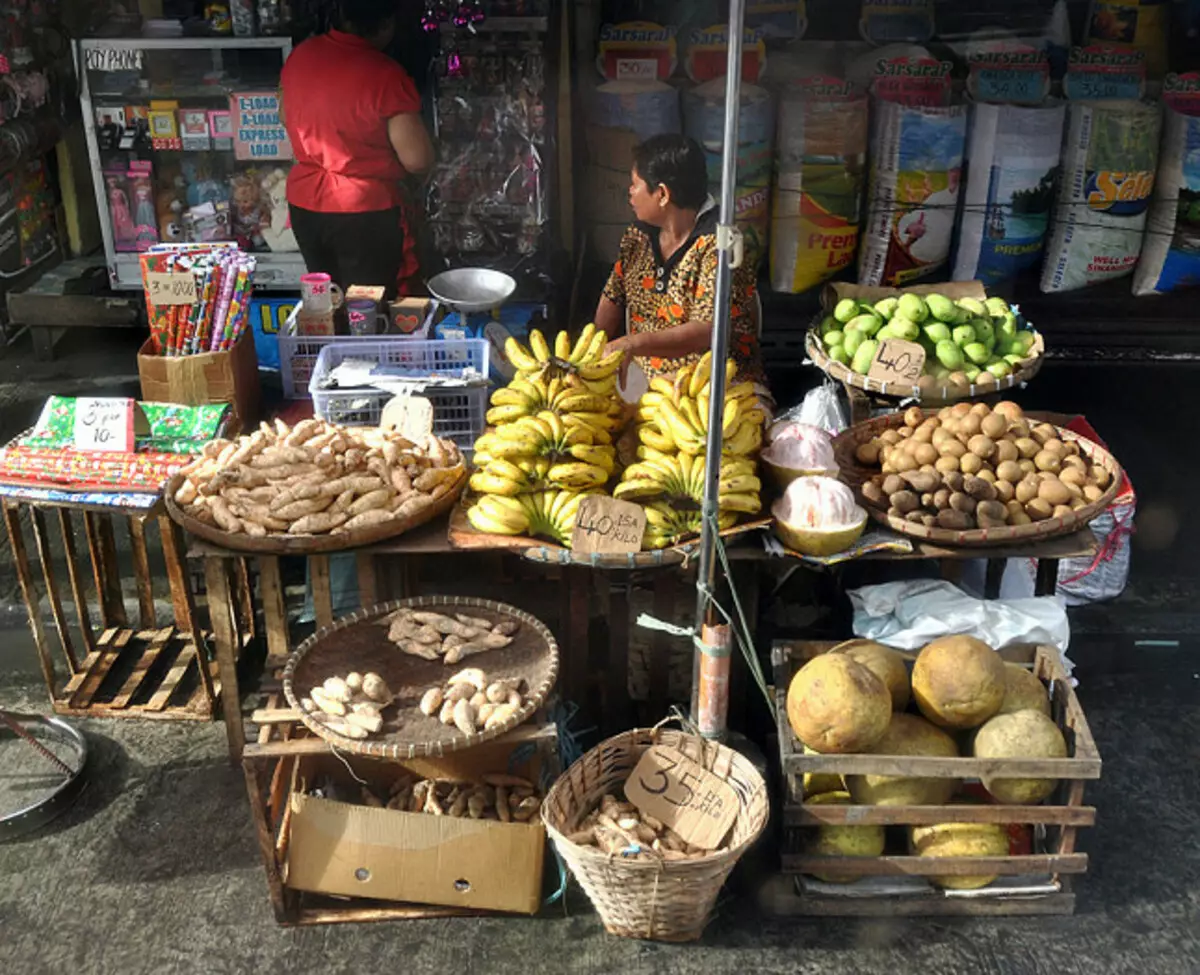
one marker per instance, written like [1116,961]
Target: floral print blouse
[658,294]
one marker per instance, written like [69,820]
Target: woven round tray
[854,474]
[308,544]
[665,900]
[941,394]
[359,642]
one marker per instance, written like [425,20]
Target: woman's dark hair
[366,17]
[676,162]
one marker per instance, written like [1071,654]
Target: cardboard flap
[834,292]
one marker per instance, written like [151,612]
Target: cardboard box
[313,323]
[373,292]
[410,316]
[210,377]
[355,850]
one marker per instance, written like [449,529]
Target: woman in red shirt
[353,117]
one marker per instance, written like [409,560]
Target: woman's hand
[626,344]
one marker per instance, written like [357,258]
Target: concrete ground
[157,869]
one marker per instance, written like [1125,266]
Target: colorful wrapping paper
[174,428]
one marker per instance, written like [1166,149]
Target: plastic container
[458,412]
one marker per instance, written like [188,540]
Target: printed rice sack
[1109,157]
[1013,155]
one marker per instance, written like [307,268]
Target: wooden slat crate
[1052,826]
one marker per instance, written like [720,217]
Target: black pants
[352,248]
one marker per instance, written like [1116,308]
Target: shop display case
[186,144]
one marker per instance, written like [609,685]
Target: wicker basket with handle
[662,900]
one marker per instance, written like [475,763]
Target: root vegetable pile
[451,638]
[979,467]
[351,706]
[507,798]
[316,478]
[618,828]
[471,702]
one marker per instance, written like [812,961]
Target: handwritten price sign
[165,288]
[897,361]
[608,526]
[105,423]
[672,788]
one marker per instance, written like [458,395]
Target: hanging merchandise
[892,21]
[1171,249]
[782,21]
[917,140]
[819,171]
[1139,25]
[1110,154]
[1013,153]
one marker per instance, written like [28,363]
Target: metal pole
[710,672]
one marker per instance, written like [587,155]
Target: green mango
[886,307]
[913,308]
[963,335]
[904,328]
[862,358]
[867,324]
[832,338]
[887,332]
[941,308]
[937,331]
[846,309]
[838,353]
[977,352]
[852,338]
[1013,359]
[971,372]
[949,354]
[984,332]
[997,307]
[973,305]
[999,369]
[1026,340]
[1006,327]
[829,324]
[940,372]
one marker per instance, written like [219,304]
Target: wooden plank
[274,611]
[273,714]
[368,587]
[319,746]
[220,611]
[182,597]
[172,678]
[102,550]
[1073,814]
[244,598]
[574,627]
[361,912]
[42,540]
[955,768]
[915,866]
[82,696]
[78,592]
[660,645]
[932,905]
[322,591]
[155,646]
[141,571]
[616,703]
[33,602]
[256,791]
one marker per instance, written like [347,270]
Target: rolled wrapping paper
[1014,152]
[229,277]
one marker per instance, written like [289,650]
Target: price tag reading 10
[681,793]
[104,423]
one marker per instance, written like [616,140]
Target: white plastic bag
[821,407]
[907,615]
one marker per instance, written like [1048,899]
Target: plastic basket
[458,412]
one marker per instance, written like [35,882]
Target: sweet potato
[414,506]
[371,501]
[358,483]
[431,701]
[298,509]
[302,431]
[303,491]
[317,524]
[374,517]
[224,518]
[342,502]
[186,493]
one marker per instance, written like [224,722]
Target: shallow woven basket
[854,474]
[667,900]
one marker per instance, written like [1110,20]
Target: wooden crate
[114,667]
[1053,824]
[271,762]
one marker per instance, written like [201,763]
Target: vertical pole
[710,672]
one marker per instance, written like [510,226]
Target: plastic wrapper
[907,615]
[1109,157]
[817,194]
[1013,153]
[912,195]
[821,407]
[1171,250]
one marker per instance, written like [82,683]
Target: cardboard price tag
[411,416]
[606,525]
[108,423]
[672,788]
[897,361]
[165,288]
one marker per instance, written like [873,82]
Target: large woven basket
[667,900]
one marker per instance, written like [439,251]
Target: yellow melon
[958,682]
[837,705]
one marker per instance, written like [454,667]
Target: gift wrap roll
[817,193]
[1013,154]
[912,193]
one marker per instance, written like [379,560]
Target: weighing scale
[478,299]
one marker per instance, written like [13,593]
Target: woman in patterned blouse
[662,284]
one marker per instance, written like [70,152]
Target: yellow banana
[505,414]
[733,466]
[512,396]
[534,389]
[658,515]
[746,503]
[554,424]
[683,379]
[556,506]
[506,469]
[481,459]
[581,344]
[744,439]
[577,475]
[756,415]
[603,367]
[661,385]
[652,436]
[599,456]
[483,482]
[538,346]
[740,484]
[687,406]
[575,436]
[671,418]
[519,356]
[483,521]
[601,421]
[645,452]
[699,377]
[595,348]
[744,390]
[726,519]
[641,488]
[601,387]
[503,508]
[599,435]
[562,344]
[730,417]
[572,401]
[514,450]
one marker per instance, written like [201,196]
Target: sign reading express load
[258,132]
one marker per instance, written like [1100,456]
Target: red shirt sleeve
[396,95]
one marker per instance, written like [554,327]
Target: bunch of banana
[530,395]
[549,514]
[580,365]
[532,453]
[668,525]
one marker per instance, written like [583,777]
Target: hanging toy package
[1171,251]
[1109,157]
[819,170]
[1013,155]
[917,141]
